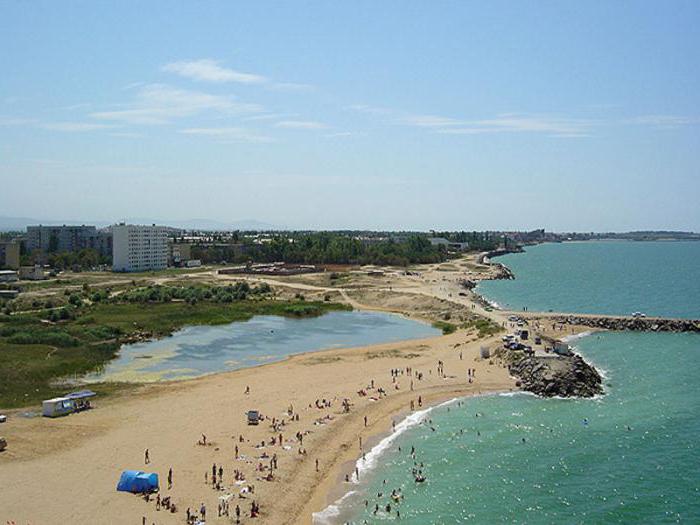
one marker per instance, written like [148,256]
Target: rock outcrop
[564,376]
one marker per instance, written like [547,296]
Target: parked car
[253,417]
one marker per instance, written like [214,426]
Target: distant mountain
[21,223]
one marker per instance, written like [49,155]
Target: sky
[565,115]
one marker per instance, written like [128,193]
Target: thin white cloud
[231,134]
[208,70]
[341,134]
[160,104]
[552,125]
[16,121]
[292,86]
[73,127]
[370,110]
[300,124]
[128,135]
[664,121]
[429,121]
[515,123]
[269,116]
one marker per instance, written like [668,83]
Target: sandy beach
[77,460]
[66,470]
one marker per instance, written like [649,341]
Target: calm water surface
[200,350]
[615,277]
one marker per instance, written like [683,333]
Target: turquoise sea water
[631,456]
[199,350]
[611,277]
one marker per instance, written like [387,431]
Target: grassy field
[35,356]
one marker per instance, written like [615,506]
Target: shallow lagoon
[199,350]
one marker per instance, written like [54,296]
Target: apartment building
[137,248]
[49,239]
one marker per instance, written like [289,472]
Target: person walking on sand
[203,512]
[317,465]
[146,457]
[170,478]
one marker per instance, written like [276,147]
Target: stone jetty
[638,324]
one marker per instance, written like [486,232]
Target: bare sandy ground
[65,470]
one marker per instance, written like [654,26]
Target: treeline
[326,248]
[81,260]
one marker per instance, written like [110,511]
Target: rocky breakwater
[638,324]
[561,375]
[499,270]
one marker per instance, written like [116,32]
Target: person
[203,512]
[247,390]
[146,457]
[170,478]
[317,465]
[238,514]
[365,420]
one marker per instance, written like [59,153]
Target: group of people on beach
[265,464]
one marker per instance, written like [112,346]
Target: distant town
[42,251]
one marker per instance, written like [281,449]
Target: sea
[628,456]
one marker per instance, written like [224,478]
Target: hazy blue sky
[581,115]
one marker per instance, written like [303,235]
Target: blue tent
[137,481]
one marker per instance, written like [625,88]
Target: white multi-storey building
[139,248]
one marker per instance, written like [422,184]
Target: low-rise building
[8,276]
[9,255]
[32,273]
[180,253]
[137,248]
[441,241]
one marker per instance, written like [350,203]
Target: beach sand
[66,470]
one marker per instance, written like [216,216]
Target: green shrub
[43,337]
[447,328]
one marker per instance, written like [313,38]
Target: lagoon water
[631,456]
[199,350]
